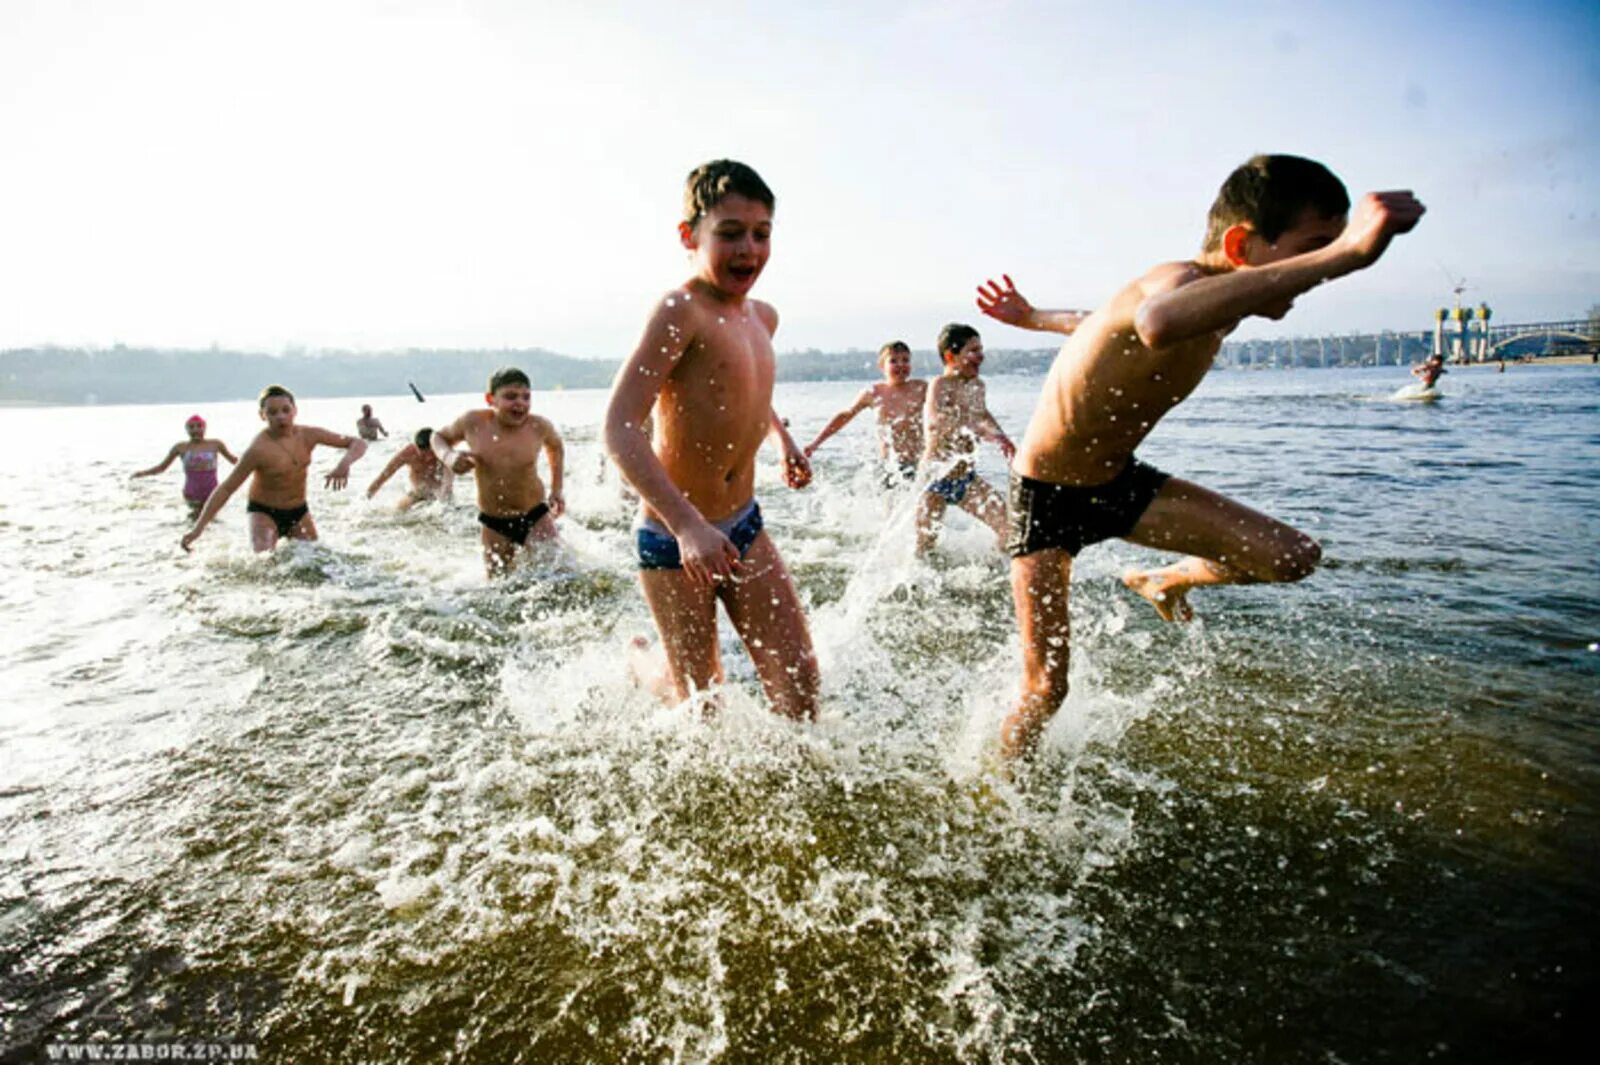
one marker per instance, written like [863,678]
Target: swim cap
[195,419]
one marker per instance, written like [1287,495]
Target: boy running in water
[957,416]
[503,446]
[1278,228]
[705,364]
[899,398]
[367,425]
[276,462]
[430,478]
[199,454]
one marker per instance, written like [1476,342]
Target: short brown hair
[270,391]
[507,375]
[1270,193]
[954,337]
[892,347]
[709,183]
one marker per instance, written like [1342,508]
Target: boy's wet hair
[1271,193]
[953,337]
[423,439]
[507,375]
[270,391]
[892,347]
[710,183]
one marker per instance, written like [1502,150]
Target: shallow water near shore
[349,802]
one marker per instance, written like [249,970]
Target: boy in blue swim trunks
[705,365]
[1277,228]
[957,416]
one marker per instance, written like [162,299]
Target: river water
[350,802]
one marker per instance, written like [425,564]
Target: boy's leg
[1040,589]
[543,530]
[930,515]
[304,529]
[988,506]
[1227,543]
[765,609]
[263,531]
[499,552]
[686,617]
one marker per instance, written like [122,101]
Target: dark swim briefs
[658,549]
[285,520]
[1042,515]
[953,489]
[515,529]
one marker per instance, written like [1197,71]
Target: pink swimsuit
[199,475]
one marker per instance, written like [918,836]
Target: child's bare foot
[1162,591]
[648,668]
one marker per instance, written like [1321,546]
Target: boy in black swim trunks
[1278,228]
[503,446]
[277,461]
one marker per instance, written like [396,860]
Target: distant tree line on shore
[122,374]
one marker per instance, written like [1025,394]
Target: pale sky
[487,173]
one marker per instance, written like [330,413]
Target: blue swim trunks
[658,549]
[953,489]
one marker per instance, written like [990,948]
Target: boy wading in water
[277,461]
[503,445]
[957,416]
[430,478]
[705,365]
[899,398]
[1278,228]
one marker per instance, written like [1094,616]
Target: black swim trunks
[514,529]
[285,520]
[1042,515]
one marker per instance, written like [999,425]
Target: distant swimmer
[276,464]
[957,415]
[502,450]
[1431,369]
[899,399]
[1076,479]
[369,427]
[199,454]
[430,478]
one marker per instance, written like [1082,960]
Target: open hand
[1004,304]
[337,478]
[1379,217]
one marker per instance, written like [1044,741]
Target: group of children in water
[693,404]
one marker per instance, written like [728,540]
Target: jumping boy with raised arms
[1278,228]
[706,366]
[502,448]
[276,463]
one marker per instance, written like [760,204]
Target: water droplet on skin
[671,302]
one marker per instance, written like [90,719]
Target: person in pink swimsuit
[199,454]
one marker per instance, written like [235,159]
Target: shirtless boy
[199,454]
[899,398]
[1277,229]
[957,416]
[368,426]
[1432,368]
[430,478]
[502,448]
[276,462]
[705,364]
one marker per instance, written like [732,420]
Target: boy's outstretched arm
[989,426]
[555,453]
[707,554]
[1183,303]
[230,456]
[1009,306]
[219,497]
[444,441]
[354,448]
[163,465]
[840,420]
[388,472]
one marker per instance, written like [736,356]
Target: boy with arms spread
[430,478]
[899,399]
[705,364]
[277,461]
[503,445]
[1278,228]
[957,416]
